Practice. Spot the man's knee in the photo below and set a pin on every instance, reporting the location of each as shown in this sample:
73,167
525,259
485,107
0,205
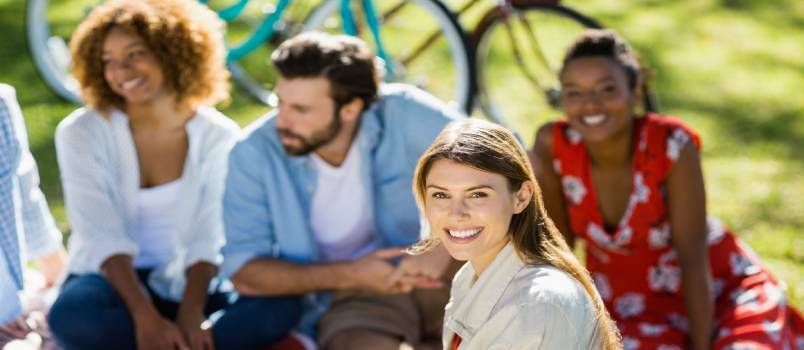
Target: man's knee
253,322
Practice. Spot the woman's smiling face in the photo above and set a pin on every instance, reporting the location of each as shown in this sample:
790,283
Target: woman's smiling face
469,211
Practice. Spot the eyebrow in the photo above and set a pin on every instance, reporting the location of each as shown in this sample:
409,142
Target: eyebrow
136,43
601,80
473,188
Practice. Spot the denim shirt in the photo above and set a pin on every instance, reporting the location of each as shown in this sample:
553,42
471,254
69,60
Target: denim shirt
268,192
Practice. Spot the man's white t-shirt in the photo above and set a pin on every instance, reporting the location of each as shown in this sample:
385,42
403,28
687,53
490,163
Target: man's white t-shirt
342,216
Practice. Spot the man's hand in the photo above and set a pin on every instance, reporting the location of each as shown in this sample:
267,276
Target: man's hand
196,331
371,273
422,271
155,332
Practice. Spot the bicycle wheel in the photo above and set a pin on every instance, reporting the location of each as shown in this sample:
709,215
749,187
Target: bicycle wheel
424,43
253,30
48,29
522,94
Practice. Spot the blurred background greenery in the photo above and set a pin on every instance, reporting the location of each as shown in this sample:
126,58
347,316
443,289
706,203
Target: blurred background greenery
732,69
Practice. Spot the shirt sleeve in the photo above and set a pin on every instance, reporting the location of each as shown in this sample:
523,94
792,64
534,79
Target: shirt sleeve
92,199
39,228
246,210
208,215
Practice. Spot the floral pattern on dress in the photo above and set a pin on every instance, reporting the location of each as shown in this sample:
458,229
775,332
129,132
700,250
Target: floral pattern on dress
602,286
636,267
574,136
659,236
573,189
652,329
675,143
630,305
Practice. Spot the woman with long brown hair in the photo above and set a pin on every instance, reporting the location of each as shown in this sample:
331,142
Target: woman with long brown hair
522,286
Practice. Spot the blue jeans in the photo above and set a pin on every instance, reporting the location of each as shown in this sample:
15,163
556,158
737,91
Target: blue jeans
89,314
255,322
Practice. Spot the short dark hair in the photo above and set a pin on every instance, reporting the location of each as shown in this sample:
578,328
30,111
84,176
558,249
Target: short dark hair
607,43
345,61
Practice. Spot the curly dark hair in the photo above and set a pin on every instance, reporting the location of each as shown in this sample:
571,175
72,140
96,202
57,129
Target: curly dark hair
185,36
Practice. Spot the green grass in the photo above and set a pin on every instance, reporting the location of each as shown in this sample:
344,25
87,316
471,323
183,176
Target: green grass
730,68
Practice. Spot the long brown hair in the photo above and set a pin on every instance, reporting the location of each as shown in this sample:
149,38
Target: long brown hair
492,148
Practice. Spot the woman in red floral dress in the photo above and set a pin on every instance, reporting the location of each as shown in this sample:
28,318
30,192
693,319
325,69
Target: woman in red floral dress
632,187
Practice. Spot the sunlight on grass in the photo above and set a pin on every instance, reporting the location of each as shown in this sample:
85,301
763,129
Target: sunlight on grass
732,69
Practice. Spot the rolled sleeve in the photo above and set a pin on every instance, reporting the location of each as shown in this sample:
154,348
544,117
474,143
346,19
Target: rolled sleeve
246,212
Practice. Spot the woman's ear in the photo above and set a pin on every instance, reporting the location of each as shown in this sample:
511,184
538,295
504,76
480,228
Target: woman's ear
523,197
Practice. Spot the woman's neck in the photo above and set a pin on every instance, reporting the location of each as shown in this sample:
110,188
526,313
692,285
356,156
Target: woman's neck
161,114
614,152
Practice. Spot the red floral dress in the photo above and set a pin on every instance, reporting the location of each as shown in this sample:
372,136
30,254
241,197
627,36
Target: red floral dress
635,267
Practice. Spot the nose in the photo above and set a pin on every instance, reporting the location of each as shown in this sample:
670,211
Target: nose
459,209
282,119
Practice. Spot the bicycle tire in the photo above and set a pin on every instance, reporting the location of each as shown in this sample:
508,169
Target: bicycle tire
459,91
249,54
505,93
50,54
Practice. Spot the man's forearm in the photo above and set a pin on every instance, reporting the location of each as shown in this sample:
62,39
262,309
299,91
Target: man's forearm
270,277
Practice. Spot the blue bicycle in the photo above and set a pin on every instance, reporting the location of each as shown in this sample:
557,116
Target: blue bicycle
420,41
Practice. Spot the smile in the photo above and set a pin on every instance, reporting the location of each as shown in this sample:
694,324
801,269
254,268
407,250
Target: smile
462,234
593,119
130,84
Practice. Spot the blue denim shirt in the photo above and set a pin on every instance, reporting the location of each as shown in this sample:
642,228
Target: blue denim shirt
268,193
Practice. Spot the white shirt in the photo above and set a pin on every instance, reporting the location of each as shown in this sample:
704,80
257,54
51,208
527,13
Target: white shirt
100,178
517,306
341,214
155,228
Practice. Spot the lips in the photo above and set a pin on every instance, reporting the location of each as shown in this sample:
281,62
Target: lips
593,119
132,83
463,235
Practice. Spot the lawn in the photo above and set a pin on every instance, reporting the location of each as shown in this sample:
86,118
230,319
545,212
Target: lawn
730,68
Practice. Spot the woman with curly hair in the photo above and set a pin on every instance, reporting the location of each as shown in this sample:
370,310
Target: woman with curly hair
522,288
142,168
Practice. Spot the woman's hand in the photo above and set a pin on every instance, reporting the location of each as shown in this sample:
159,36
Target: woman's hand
152,331
196,330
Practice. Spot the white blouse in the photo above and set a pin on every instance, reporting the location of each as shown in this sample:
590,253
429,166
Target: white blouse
100,179
517,306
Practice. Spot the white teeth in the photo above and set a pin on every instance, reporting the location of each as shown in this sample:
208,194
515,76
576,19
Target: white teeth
464,233
129,84
594,119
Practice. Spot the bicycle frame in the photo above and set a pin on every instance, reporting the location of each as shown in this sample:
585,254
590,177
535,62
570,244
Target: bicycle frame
267,27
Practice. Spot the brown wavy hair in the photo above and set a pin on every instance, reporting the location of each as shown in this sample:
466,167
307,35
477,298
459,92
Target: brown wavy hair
492,148
185,36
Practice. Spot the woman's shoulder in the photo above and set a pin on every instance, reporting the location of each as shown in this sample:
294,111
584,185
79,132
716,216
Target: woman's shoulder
544,284
214,120
82,121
